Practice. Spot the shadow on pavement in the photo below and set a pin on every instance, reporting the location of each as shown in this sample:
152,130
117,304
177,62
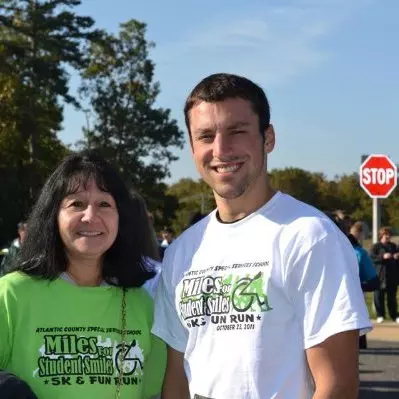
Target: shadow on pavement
370,371
380,351
379,390
366,394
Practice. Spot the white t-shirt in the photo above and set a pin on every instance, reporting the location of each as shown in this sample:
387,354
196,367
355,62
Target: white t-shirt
151,285
244,300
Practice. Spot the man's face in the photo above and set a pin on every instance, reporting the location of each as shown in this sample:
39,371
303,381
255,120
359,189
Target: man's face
228,149
166,235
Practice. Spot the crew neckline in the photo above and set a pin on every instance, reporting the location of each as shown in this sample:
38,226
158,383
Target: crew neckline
66,277
264,209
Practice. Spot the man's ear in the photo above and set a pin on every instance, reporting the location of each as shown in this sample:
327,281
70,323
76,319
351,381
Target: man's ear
270,139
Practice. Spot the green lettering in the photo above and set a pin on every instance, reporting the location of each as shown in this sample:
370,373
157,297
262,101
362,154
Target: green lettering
52,344
82,345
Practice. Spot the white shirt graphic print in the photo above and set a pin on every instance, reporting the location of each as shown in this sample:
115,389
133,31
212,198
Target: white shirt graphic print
243,301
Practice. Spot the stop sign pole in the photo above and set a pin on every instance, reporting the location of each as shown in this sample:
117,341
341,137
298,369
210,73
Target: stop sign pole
378,178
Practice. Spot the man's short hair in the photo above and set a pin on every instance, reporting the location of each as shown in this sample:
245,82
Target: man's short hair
222,86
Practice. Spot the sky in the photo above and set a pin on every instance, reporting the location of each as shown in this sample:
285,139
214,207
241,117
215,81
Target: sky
330,69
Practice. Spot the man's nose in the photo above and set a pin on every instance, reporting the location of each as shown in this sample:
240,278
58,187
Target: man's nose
221,146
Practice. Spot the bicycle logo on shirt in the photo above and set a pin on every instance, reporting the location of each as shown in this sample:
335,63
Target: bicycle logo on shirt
248,293
128,359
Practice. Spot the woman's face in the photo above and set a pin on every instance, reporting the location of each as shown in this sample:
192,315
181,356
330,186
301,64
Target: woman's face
386,238
88,222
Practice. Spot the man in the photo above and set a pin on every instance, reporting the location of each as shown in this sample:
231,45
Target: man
261,297
385,255
167,237
166,240
9,259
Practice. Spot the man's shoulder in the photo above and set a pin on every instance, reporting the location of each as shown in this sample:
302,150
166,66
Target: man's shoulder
296,215
302,226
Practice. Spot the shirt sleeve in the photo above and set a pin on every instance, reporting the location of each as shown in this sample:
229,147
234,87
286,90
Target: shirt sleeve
167,324
325,289
154,369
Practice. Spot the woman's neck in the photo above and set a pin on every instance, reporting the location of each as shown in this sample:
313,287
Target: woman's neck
85,272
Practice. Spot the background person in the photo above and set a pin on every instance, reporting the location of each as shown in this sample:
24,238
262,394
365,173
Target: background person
385,255
10,258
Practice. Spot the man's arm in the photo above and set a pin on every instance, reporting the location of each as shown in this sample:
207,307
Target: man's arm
334,366
175,385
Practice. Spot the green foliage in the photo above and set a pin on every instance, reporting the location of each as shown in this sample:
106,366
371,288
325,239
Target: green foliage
298,183
38,40
128,128
192,196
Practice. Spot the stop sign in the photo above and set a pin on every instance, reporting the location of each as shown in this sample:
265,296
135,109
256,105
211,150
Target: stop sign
378,176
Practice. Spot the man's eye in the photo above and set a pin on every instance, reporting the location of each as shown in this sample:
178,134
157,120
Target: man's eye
205,137
238,131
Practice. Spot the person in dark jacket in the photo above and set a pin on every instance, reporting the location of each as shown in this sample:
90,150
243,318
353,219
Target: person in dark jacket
385,255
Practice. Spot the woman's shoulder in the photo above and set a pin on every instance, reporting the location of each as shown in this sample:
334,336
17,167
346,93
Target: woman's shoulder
18,281
16,286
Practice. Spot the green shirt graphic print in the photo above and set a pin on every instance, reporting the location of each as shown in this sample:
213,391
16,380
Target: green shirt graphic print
65,340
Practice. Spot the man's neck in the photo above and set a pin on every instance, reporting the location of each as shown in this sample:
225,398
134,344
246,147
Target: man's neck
232,210
85,272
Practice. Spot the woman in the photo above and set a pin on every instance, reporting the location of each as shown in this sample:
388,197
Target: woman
74,321
385,255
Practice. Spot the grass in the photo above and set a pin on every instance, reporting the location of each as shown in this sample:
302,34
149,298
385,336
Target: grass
369,303
369,295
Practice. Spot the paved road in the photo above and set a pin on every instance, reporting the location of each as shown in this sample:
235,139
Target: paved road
379,370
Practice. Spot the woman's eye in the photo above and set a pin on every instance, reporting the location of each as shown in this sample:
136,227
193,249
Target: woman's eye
77,204
105,204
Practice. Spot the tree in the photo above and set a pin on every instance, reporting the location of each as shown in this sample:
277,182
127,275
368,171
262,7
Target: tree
392,209
192,196
128,128
38,39
299,183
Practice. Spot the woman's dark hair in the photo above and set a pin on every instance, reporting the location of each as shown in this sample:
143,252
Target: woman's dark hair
144,217
43,255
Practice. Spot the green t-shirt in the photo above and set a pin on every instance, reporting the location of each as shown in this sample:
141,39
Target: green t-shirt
63,340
